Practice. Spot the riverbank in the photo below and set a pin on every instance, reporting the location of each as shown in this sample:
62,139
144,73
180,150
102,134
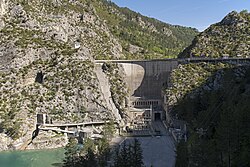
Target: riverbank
45,140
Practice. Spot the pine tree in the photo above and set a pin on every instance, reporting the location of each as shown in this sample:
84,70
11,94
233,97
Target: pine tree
129,155
103,152
137,154
182,155
117,157
124,161
121,156
71,154
89,159
109,130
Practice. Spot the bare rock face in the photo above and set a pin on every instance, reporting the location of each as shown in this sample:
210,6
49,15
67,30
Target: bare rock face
3,7
167,31
2,24
58,30
5,142
134,49
189,79
232,19
3,10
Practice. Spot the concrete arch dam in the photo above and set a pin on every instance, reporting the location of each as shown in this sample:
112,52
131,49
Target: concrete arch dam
145,79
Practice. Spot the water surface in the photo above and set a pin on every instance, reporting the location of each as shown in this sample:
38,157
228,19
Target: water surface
33,158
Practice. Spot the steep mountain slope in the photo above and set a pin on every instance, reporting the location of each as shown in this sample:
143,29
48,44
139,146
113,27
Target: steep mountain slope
213,98
215,105
142,37
46,56
230,37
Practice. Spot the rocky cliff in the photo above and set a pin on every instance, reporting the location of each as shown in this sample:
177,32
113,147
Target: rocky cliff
47,50
228,38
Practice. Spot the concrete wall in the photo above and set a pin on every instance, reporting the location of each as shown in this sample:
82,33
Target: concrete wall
146,78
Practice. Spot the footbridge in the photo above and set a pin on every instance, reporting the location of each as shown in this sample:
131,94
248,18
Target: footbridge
146,78
77,124
63,128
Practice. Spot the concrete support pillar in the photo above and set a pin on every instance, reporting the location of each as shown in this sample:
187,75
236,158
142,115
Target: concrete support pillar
44,118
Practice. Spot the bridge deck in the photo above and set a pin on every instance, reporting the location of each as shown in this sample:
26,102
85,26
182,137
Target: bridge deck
55,129
76,124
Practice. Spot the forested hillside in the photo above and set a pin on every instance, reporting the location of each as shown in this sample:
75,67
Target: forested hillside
228,38
215,104
213,98
142,37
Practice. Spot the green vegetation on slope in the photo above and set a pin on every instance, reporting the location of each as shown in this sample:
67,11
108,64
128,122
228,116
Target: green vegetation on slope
118,87
142,37
217,113
230,37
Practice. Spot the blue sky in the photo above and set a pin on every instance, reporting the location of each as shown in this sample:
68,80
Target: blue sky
192,13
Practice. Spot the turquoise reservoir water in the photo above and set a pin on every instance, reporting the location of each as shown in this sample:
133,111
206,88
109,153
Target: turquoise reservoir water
35,158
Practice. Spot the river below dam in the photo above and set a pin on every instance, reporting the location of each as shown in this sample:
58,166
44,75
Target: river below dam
32,158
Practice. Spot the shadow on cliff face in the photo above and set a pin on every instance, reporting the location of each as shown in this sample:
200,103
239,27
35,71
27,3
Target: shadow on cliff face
217,114
210,94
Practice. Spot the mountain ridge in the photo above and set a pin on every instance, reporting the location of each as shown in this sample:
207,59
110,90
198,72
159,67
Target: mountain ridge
152,38
230,38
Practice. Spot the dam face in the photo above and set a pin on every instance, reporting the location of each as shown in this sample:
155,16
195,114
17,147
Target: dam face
146,79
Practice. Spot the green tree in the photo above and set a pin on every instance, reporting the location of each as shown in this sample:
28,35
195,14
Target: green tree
137,157
117,157
104,152
89,159
88,144
92,154
182,155
71,154
129,155
109,130
121,156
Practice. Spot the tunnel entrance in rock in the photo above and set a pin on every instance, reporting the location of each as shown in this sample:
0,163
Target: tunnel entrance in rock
157,116
39,77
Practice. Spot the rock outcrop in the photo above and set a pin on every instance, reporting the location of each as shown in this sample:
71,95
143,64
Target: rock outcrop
228,38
